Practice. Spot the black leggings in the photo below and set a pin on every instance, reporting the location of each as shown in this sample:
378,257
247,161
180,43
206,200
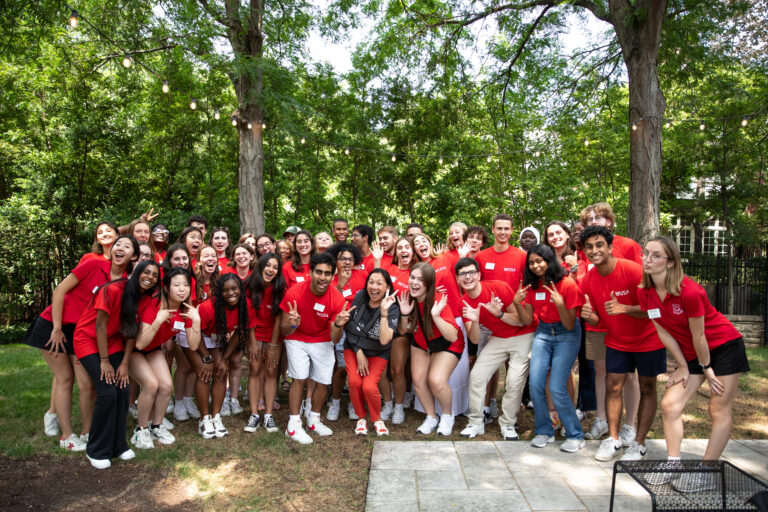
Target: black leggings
109,425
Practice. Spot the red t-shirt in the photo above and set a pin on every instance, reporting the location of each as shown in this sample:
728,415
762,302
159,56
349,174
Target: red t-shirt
223,263
355,283
148,308
445,276
263,321
676,310
292,277
504,266
368,264
627,249
504,292
91,274
109,299
316,313
624,332
207,313
386,261
446,314
92,256
541,300
159,256
399,277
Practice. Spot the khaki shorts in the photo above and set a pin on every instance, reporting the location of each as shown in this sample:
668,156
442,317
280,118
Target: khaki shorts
595,345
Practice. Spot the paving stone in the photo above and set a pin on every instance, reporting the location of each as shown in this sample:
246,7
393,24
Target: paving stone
487,471
391,485
414,455
475,447
548,493
620,503
526,460
759,445
467,501
429,480
389,506
594,486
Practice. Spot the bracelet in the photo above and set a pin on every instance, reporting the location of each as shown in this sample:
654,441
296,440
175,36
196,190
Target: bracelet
105,357
337,325
500,314
405,316
293,326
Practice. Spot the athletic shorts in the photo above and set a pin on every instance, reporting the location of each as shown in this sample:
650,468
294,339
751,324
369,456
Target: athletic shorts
647,364
339,350
595,345
727,359
40,331
437,345
310,360
181,338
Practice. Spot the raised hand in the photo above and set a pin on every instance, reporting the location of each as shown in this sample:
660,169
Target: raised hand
440,248
522,291
377,251
438,307
494,306
470,313
294,318
570,260
343,317
464,250
388,300
586,309
149,216
344,276
404,301
164,315
613,306
555,295
191,313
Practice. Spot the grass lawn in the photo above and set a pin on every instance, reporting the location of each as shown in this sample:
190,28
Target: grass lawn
258,471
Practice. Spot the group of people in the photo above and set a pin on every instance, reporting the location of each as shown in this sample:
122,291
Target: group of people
401,320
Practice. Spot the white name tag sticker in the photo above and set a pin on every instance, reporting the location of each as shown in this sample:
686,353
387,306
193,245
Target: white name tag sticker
541,296
394,279
590,266
299,279
178,326
490,266
319,307
654,313
347,292
95,289
219,268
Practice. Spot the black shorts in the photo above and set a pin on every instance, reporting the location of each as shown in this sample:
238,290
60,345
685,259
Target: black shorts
160,347
471,348
436,345
40,331
727,359
647,364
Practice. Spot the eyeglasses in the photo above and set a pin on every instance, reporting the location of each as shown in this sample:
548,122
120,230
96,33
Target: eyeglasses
347,260
163,231
221,228
468,273
654,256
261,247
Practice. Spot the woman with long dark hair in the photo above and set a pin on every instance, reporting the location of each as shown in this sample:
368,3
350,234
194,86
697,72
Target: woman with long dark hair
221,242
297,269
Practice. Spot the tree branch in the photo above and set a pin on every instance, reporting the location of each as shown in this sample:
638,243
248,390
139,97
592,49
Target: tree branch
469,18
596,11
213,13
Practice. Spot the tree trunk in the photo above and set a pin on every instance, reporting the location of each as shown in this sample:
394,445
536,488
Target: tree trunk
638,29
250,181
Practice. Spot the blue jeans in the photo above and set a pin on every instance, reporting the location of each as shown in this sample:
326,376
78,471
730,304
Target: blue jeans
554,350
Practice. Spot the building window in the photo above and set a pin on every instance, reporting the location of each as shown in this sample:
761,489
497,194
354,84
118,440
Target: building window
685,240
710,242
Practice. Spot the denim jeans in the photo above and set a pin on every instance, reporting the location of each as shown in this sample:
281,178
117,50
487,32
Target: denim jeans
554,350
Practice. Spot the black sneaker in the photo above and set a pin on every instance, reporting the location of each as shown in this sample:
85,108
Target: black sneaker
253,423
269,424
487,418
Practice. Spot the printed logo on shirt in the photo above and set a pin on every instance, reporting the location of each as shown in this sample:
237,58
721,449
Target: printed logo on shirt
677,309
510,269
621,293
440,269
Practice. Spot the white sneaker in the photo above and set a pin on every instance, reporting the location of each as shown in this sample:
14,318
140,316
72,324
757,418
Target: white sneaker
472,430
316,426
171,405
608,449
333,410
99,463
253,424
218,426
398,414
386,411
361,429
445,427
494,408
180,412
85,437
225,410
205,428
127,455
191,408
627,434
428,426
351,412
269,424
635,451
572,445
580,414
161,435
408,400
51,424
598,430
167,425
696,482
542,440
142,439
296,432
509,434
380,428
234,406
72,443
133,410
660,476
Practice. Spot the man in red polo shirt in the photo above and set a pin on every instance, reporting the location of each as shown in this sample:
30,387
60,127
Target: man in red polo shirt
313,316
501,261
631,339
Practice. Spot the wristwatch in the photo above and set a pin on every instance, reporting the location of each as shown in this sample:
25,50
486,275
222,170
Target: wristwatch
207,359
706,366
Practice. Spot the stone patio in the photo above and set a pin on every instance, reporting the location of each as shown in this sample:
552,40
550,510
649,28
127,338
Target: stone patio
502,475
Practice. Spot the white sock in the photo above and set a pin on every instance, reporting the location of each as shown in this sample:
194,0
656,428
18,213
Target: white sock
313,416
487,410
266,416
336,401
292,418
388,404
673,458
188,398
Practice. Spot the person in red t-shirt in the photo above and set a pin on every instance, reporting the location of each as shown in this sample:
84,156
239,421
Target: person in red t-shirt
508,342
555,298
386,243
703,342
631,341
159,241
502,262
206,275
222,244
193,239
106,235
52,333
362,238
297,270
267,287
437,345
340,230
455,238
312,319
161,319
323,241
264,243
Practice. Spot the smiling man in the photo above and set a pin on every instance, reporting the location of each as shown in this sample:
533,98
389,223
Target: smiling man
501,261
313,316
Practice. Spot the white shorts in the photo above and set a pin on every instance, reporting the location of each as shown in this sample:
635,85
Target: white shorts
181,337
315,361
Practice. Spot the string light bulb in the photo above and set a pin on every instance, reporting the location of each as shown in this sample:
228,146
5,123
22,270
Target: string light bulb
634,127
74,19
440,161
127,61
667,124
193,104
303,140
263,126
744,122
216,114
166,87
394,158
250,125
488,159
537,154
586,142
702,126
234,120
346,151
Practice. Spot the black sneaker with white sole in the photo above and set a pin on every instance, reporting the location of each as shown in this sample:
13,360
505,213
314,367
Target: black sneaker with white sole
253,423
